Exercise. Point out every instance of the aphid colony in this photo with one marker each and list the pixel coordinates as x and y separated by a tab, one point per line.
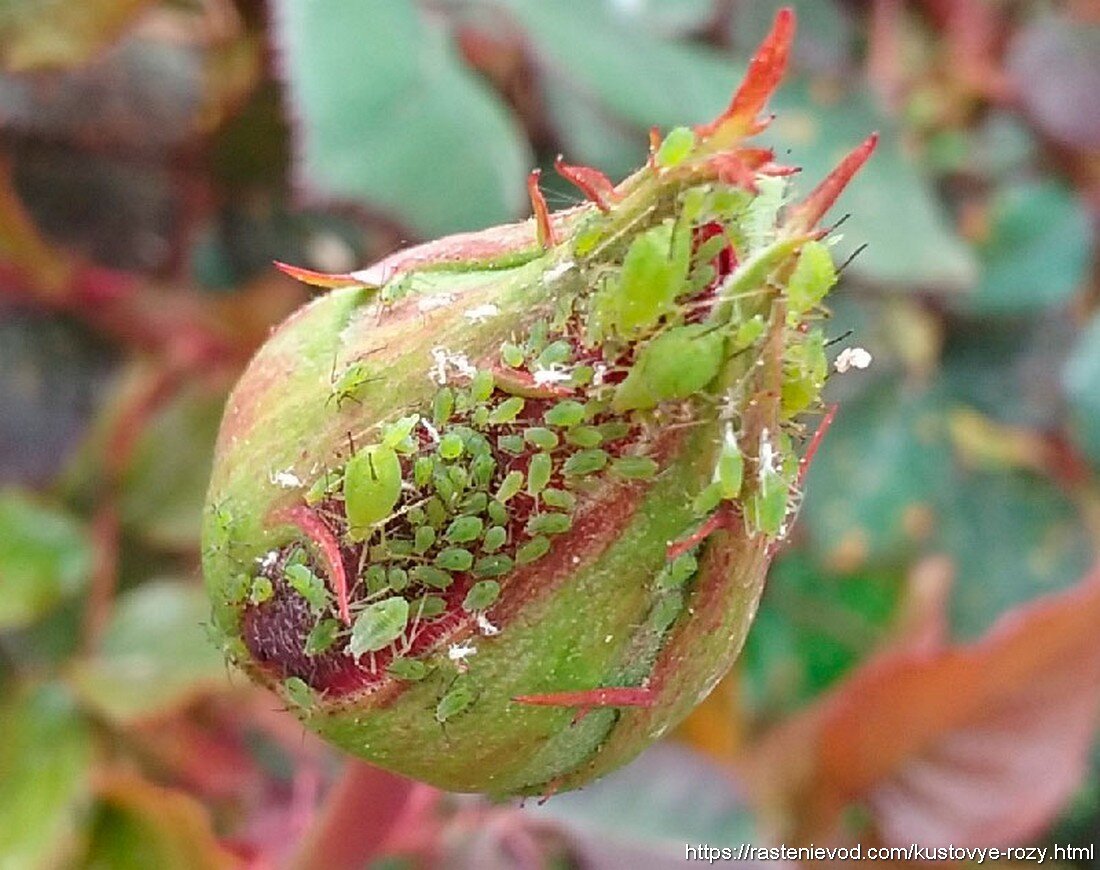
446	503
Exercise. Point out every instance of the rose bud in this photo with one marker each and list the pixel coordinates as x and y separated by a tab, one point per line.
496	512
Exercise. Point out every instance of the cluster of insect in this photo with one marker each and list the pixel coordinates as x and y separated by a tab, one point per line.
653	327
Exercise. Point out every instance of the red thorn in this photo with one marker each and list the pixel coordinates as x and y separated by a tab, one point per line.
654	144
765	71
723	518
544	228
815	442
592	183
804	216
615	696
331	281
314	528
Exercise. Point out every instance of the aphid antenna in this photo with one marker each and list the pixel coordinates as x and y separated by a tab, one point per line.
846	334
851	258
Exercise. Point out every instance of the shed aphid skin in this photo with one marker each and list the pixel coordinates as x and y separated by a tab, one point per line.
540	514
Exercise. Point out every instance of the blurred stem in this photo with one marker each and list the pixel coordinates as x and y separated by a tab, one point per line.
369	813
24	247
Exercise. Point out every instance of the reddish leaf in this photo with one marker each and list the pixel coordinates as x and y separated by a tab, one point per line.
968	745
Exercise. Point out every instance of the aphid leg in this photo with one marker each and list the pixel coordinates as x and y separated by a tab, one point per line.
544	227
314	528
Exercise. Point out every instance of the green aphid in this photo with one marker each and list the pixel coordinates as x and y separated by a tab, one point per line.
436	512
454	559
398	432
379	625
481	595
451	446
585	462
431	576
481	386
559	498
321	637
730	469
555	353
459	698
462	530
506	411
748	333
767	509
483	468
412	670
475	503
428	607
480	416
707	500
238	588
539	471
416	516
511	355
665	611
511	444
512	484
677	572
541	437
443	406
549	524
422	471
760	217
675	365
375	578
423	539
565	414
307	584
533	549
498	513
444	486
324	486
675	148
372	488
298	694
653	274
495	538
582	376
262	590
613	430
352	383
813	277
397	579
493	566
804	371
634	467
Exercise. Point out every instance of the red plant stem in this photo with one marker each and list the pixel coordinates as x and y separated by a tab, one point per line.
615	696
724	517
815	443
359	819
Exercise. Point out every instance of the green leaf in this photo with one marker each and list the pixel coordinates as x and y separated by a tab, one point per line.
155	656
45	756
1013	537
45	556
379	625
874	483
389	116
1038	251
164	487
1081	378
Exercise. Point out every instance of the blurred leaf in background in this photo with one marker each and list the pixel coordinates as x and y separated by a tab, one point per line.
156	155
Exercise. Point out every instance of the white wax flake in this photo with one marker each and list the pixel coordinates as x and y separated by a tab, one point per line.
443	360
481	313
285	479
852	358
269	559
429	303
599	372
767	453
556	374
459	652
558	271
485	626
433	433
